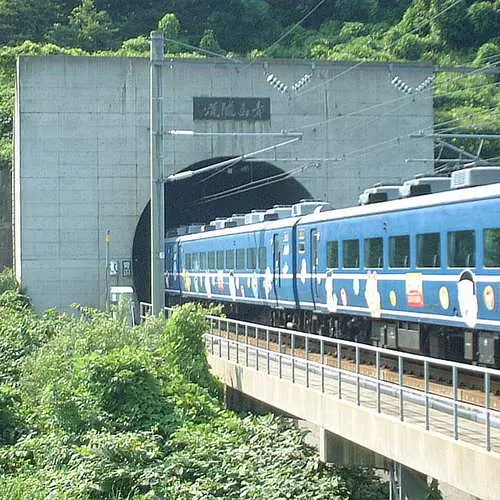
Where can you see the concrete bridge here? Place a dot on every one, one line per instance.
(363, 418)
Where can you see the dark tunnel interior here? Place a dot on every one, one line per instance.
(239, 188)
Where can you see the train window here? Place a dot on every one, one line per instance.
(399, 251)
(251, 258)
(195, 261)
(262, 258)
(332, 254)
(240, 258)
(461, 249)
(229, 259)
(491, 242)
(211, 260)
(351, 253)
(188, 261)
(374, 252)
(302, 241)
(203, 260)
(428, 250)
(220, 259)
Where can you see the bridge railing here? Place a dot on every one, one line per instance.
(462, 401)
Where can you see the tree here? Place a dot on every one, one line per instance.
(27, 19)
(484, 18)
(171, 27)
(209, 42)
(452, 25)
(87, 28)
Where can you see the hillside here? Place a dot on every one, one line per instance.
(448, 33)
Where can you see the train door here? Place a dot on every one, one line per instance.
(276, 266)
(314, 264)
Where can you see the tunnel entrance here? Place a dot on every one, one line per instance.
(239, 188)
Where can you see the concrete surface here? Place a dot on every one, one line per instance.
(82, 149)
(466, 467)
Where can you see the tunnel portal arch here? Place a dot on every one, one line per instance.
(239, 188)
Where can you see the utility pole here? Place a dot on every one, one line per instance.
(157, 204)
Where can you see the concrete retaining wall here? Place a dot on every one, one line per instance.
(82, 149)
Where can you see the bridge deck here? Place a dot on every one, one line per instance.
(448, 439)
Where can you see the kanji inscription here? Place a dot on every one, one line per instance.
(232, 108)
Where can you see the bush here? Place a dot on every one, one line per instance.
(94, 465)
(21, 333)
(101, 374)
(410, 47)
(257, 457)
(183, 346)
(10, 424)
(115, 413)
(8, 281)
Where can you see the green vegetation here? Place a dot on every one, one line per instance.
(93, 409)
(443, 32)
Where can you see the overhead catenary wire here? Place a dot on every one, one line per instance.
(351, 154)
(279, 177)
(385, 103)
(382, 143)
(256, 184)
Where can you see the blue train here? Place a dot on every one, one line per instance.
(415, 273)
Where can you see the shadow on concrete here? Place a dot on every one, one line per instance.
(201, 198)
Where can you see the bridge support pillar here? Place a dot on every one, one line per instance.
(406, 484)
(333, 448)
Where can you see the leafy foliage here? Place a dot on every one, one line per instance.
(183, 347)
(110, 411)
(87, 28)
(436, 31)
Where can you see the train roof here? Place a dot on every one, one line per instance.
(399, 205)
(404, 204)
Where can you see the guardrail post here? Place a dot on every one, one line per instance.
(279, 355)
(401, 382)
(237, 343)
(487, 390)
(220, 338)
(455, 402)
(358, 389)
(339, 370)
(212, 350)
(426, 389)
(307, 361)
(268, 357)
(228, 341)
(322, 352)
(377, 365)
(246, 345)
(293, 358)
(257, 348)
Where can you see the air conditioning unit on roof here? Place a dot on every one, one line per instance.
(254, 216)
(306, 207)
(424, 184)
(475, 176)
(379, 193)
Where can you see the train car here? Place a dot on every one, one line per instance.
(421, 274)
(235, 263)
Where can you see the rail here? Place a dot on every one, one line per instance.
(407, 386)
(344, 369)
